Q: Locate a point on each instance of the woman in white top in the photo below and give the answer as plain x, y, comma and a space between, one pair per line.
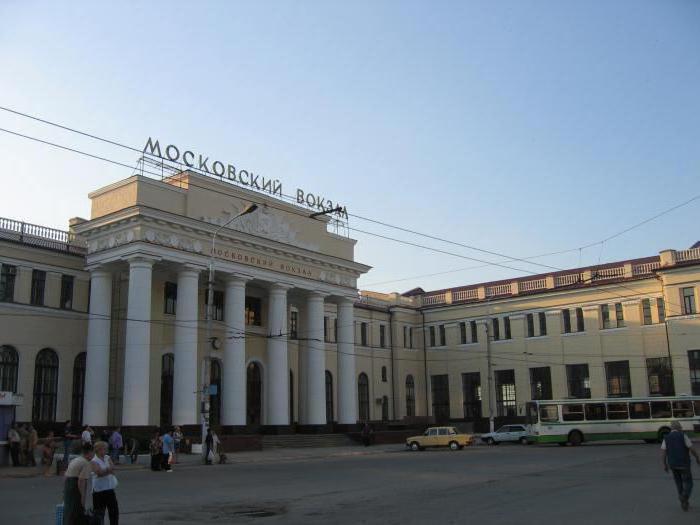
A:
103, 484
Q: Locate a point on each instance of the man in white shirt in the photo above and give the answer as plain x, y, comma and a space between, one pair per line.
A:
86, 436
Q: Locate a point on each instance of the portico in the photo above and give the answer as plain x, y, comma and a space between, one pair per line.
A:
148, 261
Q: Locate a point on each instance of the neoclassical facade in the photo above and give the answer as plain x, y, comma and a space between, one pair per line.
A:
108, 323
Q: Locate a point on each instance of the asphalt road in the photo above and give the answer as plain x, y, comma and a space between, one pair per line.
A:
599, 484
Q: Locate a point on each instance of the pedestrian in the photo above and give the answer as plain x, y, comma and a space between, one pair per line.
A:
86, 436
15, 443
77, 486
103, 484
155, 449
47, 453
675, 453
116, 443
32, 442
366, 434
167, 451
177, 439
209, 445
68, 436
24, 445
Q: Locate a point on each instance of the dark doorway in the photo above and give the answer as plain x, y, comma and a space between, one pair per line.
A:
167, 375
441, 398
254, 394
215, 399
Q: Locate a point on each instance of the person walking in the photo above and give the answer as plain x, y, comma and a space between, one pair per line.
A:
209, 443
103, 484
155, 450
675, 453
116, 443
177, 439
68, 436
47, 453
366, 434
24, 445
168, 449
77, 486
86, 436
32, 442
15, 443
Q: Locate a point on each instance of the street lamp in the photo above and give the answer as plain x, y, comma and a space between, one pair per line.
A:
250, 208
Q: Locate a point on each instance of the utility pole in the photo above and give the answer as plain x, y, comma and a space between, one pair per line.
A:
490, 377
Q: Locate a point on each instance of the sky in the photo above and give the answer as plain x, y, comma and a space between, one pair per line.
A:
517, 127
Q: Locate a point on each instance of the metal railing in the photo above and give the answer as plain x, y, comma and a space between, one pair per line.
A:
40, 236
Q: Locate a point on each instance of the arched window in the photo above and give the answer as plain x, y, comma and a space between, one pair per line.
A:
215, 400
45, 386
167, 374
385, 408
410, 396
329, 397
9, 363
363, 397
383, 374
76, 413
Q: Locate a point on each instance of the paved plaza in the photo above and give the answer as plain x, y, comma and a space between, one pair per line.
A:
613, 483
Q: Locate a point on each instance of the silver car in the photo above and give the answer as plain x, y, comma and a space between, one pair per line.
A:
507, 433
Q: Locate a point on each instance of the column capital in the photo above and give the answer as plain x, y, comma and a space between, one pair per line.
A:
316, 295
233, 279
142, 261
345, 300
280, 288
189, 267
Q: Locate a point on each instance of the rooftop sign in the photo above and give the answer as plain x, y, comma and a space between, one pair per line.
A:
229, 173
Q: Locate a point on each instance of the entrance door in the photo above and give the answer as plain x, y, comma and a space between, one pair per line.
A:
441, 399
254, 394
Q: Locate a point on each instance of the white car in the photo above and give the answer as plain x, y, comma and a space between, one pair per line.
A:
507, 433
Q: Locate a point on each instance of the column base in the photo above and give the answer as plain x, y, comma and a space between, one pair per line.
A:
315, 429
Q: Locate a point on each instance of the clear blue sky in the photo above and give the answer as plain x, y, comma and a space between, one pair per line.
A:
522, 127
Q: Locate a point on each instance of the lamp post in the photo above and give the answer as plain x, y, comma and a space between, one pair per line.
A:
250, 208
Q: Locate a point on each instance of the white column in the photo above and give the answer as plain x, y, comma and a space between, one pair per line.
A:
185, 377
98, 343
137, 353
347, 380
315, 375
234, 381
277, 357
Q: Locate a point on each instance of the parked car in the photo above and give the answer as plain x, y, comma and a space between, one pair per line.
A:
440, 437
507, 433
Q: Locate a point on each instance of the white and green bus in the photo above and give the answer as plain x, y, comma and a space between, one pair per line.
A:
577, 420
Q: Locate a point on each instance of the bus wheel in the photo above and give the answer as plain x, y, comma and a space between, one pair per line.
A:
575, 438
663, 432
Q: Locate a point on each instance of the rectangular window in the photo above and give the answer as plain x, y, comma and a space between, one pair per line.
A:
462, 333
170, 298
619, 315
660, 376
617, 411
293, 324
580, 326
38, 285
549, 413
661, 308
217, 304
572, 412
335, 329
595, 411
660, 409
682, 408
441, 398
363, 334
541, 383
618, 379
405, 337
646, 311
471, 394
472, 326
410, 337
639, 411
382, 336
253, 311
605, 315
431, 333
326, 329
506, 327
688, 295
566, 321
543, 323
505, 393
8, 273
694, 367
530, 321
442, 335
67, 292
578, 381
496, 331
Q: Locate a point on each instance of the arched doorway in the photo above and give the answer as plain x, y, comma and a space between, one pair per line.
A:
45, 386
254, 394
167, 375
215, 400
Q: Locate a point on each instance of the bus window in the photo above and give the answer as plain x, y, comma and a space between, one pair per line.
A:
660, 409
549, 413
639, 411
682, 409
572, 412
697, 407
595, 411
531, 413
617, 411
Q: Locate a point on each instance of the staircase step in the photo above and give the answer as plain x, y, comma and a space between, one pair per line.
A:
307, 441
